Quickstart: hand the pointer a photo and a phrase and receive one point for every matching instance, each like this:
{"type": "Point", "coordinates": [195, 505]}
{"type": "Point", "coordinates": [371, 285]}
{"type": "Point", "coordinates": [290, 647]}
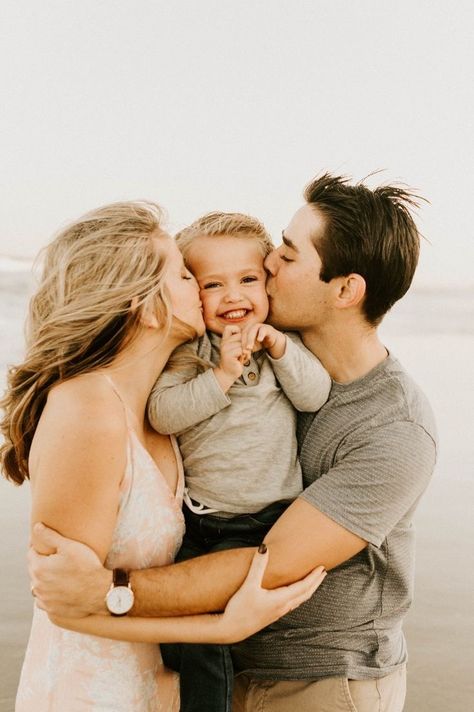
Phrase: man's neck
{"type": "Point", "coordinates": [348, 352]}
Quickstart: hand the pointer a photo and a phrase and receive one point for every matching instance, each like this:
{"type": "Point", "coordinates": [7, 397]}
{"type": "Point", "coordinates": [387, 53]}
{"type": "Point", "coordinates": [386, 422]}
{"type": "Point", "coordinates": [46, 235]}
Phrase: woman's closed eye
{"type": "Point", "coordinates": [285, 259]}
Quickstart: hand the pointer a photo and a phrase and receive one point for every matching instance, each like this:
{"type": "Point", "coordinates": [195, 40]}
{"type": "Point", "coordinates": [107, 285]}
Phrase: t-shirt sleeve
{"type": "Point", "coordinates": [377, 477]}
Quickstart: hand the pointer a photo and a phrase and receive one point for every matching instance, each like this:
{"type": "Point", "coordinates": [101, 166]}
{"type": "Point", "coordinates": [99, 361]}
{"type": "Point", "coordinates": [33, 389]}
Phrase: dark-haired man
{"type": "Point", "coordinates": [347, 256]}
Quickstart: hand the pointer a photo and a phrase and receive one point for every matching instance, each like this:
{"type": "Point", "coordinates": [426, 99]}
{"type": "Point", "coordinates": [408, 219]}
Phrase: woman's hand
{"type": "Point", "coordinates": [253, 607]}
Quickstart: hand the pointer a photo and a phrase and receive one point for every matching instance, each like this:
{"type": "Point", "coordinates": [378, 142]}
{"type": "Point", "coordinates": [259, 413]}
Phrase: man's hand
{"type": "Point", "coordinates": [271, 339]}
{"type": "Point", "coordinates": [230, 365]}
{"type": "Point", "coordinates": [67, 577]}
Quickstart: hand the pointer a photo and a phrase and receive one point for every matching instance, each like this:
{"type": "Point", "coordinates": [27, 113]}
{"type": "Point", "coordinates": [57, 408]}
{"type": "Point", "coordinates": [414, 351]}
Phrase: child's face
{"type": "Point", "coordinates": [231, 278]}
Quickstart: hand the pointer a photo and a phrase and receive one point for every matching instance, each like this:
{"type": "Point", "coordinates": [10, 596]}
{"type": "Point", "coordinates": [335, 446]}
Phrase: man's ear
{"type": "Point", "coordinates": [351, 291]}
{"type": "Point", "coordinates": [148, 317]}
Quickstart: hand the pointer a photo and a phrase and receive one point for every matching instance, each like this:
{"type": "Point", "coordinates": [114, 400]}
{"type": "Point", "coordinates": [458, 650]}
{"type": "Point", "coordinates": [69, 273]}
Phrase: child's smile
{"type": "Point", "coordinates": [231, 279]}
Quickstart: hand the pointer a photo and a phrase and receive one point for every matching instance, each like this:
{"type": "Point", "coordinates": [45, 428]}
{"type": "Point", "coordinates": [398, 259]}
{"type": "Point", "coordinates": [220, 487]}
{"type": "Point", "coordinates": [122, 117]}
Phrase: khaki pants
{"type": "Point", "coordinates": [332, 694]}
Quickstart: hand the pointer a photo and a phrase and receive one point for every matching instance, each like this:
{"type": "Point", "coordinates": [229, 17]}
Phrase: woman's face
{"type": "Point", "coordinates": [182, 288]}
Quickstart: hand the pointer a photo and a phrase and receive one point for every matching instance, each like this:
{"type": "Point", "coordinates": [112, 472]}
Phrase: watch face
{"type": "Point", "coordinates": [119, 600]}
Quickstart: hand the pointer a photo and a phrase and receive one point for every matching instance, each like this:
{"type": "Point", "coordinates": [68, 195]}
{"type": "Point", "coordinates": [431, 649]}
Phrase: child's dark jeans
{"type": "Point", "coordinates": [206, 671]}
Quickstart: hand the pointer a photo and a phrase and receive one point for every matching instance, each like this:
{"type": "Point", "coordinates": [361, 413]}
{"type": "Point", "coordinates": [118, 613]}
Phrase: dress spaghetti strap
{"type": "Point", "coordinates": [117, 393]}
{"type": "Point", "coordinates": [137, 449]}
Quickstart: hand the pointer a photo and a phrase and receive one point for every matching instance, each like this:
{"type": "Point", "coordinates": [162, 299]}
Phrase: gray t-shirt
{"type": "Point", "coordinates": [366, 457]}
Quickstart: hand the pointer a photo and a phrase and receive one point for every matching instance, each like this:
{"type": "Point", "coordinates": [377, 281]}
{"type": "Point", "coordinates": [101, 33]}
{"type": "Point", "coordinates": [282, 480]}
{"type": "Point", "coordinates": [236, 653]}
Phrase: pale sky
{"type": "Point", "coordinates": [212, 104]}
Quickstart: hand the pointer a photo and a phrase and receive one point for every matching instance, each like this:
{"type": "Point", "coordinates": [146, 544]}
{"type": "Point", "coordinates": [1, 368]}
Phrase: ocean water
{"type": "Point", "coordinates": [432, 332]}
{"type": "Point", "coordinates": [427, 311]}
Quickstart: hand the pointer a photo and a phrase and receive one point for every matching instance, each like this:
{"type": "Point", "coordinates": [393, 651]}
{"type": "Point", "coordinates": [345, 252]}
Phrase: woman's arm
{"type": "Point", "coordinates": [77, 461]}
{"type": "Point", "coordinates": [250, 609]}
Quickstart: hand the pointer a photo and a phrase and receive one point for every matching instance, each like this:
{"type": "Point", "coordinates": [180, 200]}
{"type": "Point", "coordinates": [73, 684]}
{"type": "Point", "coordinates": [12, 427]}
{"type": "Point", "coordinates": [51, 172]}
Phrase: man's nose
{"type": "Point", "coordinates": [270, 262]}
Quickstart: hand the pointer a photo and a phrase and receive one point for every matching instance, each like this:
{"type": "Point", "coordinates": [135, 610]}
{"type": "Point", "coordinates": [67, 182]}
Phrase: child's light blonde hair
{"type": "Point", "coordinates": [81, 316]}
{"type": "Point", "coordinates": [219, 224]}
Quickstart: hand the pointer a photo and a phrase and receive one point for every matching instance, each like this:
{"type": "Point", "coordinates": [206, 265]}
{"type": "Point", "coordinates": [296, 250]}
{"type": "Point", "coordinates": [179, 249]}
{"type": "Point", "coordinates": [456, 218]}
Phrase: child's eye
{"type": "Point", "coordinates": [248, 279]}
{"type": "Point", "coordinates": [211, 285]}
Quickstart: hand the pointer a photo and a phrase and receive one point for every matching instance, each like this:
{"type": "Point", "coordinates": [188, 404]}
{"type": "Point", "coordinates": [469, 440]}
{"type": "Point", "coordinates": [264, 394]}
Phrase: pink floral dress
{"type": "Point", "coordinates": [64, 671]}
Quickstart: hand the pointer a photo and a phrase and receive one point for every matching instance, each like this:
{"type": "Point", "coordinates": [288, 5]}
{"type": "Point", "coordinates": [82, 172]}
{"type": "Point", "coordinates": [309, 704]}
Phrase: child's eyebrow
{"type": "Point", "coordinates": [223, 275]}
{"type": "Point", "coordinates": [289, 243]}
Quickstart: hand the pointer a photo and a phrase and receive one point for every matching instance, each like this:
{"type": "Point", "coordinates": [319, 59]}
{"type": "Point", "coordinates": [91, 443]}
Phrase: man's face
{"type": "Point", "coordinates": [298, 298]}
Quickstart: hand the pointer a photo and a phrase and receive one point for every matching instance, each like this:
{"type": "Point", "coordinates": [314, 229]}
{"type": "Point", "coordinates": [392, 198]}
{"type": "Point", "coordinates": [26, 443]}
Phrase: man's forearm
{"type": "Point", "coordinates": [198, 585]}
{"type": "Point", "coordinates": [72, 582]}
{"type": "Point", "coordinates": [302, 539]}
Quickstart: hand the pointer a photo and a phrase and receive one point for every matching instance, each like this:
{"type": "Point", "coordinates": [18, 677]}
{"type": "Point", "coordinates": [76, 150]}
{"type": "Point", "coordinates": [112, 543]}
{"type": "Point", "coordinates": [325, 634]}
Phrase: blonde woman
{"type": "Point", "coordinates": [114, 302]}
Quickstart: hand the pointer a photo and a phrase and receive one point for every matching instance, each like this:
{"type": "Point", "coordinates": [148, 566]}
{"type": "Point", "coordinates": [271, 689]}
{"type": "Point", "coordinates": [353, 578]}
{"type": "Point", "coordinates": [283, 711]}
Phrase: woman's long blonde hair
{"type": "Point", "coordinates": [81, 315]}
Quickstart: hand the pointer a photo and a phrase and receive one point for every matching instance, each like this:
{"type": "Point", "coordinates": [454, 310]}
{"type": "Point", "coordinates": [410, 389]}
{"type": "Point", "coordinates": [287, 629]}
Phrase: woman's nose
{"type": "Point", "coordinates": [271, 261]}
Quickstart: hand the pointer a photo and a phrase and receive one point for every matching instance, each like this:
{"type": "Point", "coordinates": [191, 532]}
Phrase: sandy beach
{"type": "Point", "coordinates": [434, 338]}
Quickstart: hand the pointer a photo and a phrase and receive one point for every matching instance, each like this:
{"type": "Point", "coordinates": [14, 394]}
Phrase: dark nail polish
{"type": "Point", "coordinates": [262, 549]}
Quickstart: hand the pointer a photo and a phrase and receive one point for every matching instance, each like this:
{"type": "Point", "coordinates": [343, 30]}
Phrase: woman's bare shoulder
{"type": "Point", "coordinates": [82, 429]}
{"type": "Point", "coordinates": [86, 403]}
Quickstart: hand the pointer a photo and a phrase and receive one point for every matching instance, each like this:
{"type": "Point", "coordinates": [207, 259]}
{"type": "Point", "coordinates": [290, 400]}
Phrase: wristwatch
{"type": "Point", "coordinates": [119, 598]}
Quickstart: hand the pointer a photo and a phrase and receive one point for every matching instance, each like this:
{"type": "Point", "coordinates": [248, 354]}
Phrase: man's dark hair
{"type": "Point", "coordinates": [369, 232]}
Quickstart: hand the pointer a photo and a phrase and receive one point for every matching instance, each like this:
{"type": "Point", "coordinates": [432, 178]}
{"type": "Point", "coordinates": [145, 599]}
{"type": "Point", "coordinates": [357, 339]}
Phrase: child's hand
{"type": "Point", "coordinates": [270, 338]}
{"type": "Point", "coordinates": [230, 365]}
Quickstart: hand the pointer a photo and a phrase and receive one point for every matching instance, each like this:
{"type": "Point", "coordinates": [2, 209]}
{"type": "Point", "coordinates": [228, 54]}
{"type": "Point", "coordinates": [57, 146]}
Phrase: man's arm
{"type": "Point", "coordinates": [207, 582]}
{"type": "Point", "coordinates": [249, 610]}
{"type": "Point", "coordinates": [71, 583]}
{"type": "Point", "coordinates": [379, 477]}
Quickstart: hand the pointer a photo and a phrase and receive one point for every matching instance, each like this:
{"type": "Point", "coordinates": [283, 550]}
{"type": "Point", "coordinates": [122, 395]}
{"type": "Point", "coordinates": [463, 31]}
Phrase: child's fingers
{"type": "Point", "coordinates": [248, 337]}
{"type": "Point", "coordinates": [231, 330]}
{"type": "Point", "coordinates": [263, 331]}
{"type": "Point", "coordinates": [232, 350]}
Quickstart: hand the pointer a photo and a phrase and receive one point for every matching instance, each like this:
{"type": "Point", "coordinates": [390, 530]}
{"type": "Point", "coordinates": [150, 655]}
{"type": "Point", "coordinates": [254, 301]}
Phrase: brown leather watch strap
{"type": "Point", "coordinates": [121, 577]}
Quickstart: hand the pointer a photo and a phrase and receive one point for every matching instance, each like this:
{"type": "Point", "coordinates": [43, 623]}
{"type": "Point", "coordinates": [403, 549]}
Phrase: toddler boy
{"type": "Point", "coordinates": [235, 420]}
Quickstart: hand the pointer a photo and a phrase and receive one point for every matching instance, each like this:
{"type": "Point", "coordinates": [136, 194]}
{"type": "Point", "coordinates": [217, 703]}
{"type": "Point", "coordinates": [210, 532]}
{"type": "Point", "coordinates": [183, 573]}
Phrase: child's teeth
{"type": "Point", "coordinates": [236, 314]}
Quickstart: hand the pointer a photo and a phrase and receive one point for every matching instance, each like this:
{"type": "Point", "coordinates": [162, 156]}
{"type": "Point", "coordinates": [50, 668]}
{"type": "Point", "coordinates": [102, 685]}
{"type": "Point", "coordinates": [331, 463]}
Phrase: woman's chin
{"type": "Point", "coordinates": [182, 331]}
